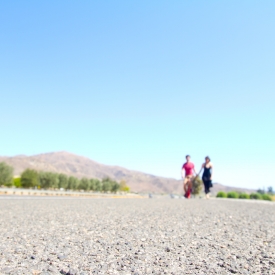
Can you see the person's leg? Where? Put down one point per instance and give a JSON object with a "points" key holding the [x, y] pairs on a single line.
{"points": [[190, 186], [207, 186], [185, 185]]}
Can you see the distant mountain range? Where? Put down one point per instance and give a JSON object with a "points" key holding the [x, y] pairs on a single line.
{"points": [[78, 166]]}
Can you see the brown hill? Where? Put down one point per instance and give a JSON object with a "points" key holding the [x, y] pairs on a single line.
{"points": [[78, 166], [70, 164]]}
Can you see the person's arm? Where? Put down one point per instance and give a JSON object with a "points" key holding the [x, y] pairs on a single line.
{"points": [[211, 172], [194, 170], [182, 172], [201, 169]]}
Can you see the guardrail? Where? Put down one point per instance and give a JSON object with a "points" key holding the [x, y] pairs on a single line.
{"points": [[40, 192]]}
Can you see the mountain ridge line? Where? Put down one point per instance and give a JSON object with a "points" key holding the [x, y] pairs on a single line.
{"points": [[81, 166]]}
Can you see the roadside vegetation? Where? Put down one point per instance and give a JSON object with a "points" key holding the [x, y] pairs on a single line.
{"points": [[268, 196], [197, 186], [6, 174], [31, 178]]}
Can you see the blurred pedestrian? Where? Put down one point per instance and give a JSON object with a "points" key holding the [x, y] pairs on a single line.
{"points": [[188, 168], [207, 174]]}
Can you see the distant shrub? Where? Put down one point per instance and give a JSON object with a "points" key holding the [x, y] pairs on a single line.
{"points": [[124, 187], [221, 194], [196, 186], [232, 195], [266, 197], [127, 189], [17, 182], [255, 196], [243, 196]]}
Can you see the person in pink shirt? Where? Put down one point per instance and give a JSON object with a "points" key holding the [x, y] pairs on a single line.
{"points": [[187, 171]]}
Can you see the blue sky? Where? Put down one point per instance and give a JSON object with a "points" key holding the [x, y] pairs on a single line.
{"points": [[141, 84]]}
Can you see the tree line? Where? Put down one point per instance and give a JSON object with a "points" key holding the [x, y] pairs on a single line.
{"points": [[31, 178]]}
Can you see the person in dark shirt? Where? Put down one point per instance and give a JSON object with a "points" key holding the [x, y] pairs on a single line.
{"points": [[207, 175]]}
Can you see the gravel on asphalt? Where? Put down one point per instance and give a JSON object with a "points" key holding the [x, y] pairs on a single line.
{"points": [[136, 236]]}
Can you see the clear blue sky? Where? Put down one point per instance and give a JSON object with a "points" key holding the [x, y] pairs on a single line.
{"points": [[141, 84]]}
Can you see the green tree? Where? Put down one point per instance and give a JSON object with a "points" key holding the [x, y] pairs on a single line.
{"points": [[114, 187], [29, 178], [84, 184], [106, 185], [93, 183], [73, 183], [6, 174], [63, 181], [98, 186], [48, 180]]}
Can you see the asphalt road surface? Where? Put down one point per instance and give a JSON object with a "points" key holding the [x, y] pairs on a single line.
{"points": [[136, 236]]}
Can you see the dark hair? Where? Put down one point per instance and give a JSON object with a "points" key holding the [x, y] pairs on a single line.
{"points": [[208, 158], [187, 156]]}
